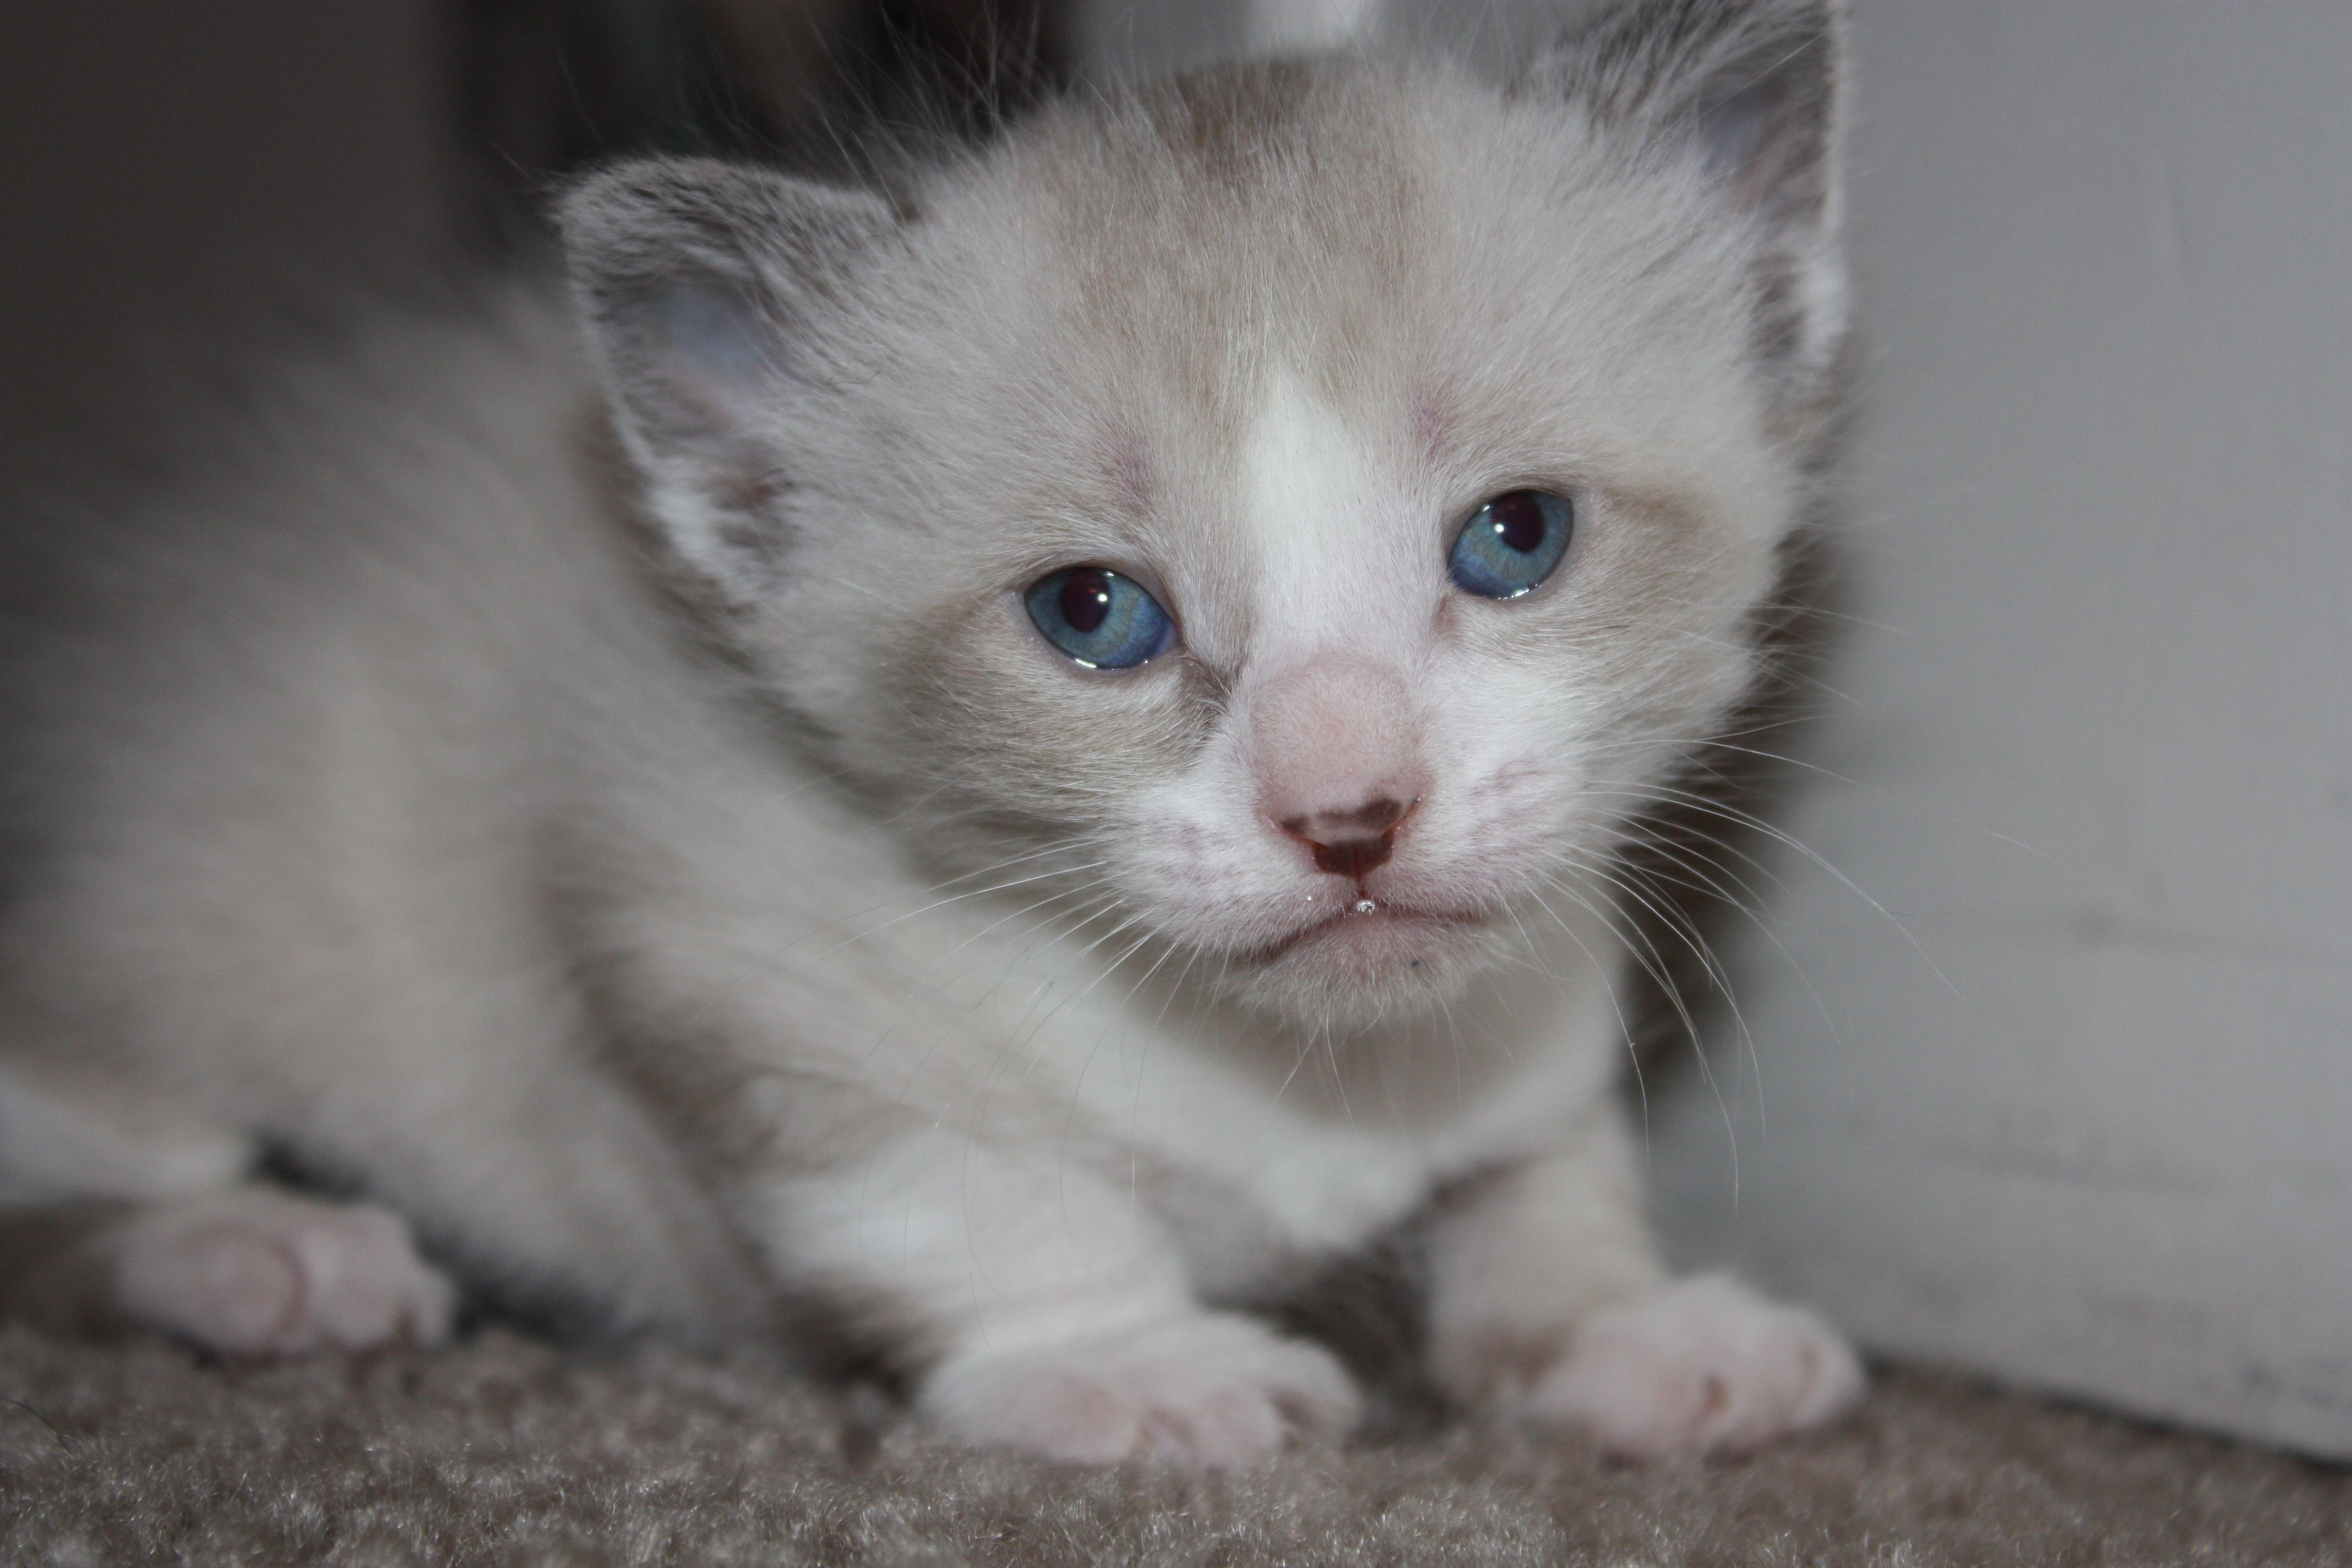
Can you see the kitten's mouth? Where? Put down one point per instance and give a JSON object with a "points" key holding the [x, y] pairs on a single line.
{"points": [[1374, 933]]}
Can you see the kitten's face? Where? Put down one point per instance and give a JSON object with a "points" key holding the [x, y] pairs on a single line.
{"points": [[1253, 355]]}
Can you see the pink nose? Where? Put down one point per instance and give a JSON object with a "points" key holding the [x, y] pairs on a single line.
{"points": [[1350, 843], [1338, 757]]}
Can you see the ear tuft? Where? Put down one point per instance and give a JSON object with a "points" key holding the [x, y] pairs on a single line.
{"points": [[1754, 90], [699, 282]]}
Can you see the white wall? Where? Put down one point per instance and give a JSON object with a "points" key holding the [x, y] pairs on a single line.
{"points": [[2091, 750]]}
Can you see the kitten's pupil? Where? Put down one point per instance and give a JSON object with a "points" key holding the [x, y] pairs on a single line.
{"points": [[1100, 619], [1085, 599], [1511, 543], [1518, 521]]}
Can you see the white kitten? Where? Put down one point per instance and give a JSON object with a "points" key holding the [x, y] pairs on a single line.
{"points": [[1095, 785]]}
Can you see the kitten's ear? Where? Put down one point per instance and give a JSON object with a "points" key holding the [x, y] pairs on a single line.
{"points": [[697, 281], [1754, 90]]}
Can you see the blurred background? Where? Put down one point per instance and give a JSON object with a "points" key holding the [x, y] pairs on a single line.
{"points": [[2040, 1063]]}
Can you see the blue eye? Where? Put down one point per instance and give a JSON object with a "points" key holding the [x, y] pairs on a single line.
{"points": [[1512, 543], [1099, 618]]}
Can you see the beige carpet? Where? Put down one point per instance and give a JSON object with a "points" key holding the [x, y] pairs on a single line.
{"points": [[508, 1450]]}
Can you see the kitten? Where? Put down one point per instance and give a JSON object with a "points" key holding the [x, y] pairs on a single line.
{"points": [[1076, 771]]}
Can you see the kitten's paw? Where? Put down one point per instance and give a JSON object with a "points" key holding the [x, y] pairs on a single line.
{"points": [[1704, 1366], [254, 1272], [1212, 1391]]}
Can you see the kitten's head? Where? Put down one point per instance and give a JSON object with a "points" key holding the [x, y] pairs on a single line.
{"points": [[1290, 514]]}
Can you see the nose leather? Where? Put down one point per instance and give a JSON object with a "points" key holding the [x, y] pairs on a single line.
{"points": [[1350, 843], [1338, 756]]}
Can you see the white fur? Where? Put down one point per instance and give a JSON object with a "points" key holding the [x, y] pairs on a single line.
{"points": [[120, 1148]]}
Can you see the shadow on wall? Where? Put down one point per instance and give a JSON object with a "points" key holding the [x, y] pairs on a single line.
{"points": [[171, 168]]}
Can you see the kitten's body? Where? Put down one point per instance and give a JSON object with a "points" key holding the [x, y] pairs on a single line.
{"points": [[805, 926]]}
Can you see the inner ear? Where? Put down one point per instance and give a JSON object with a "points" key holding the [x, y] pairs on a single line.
{"points": [[703, 354], [703, 287], [1752, 88], [1750, 85], [1763, 122]]}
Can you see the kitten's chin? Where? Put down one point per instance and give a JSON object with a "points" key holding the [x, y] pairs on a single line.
{"points": [[1356, 970]]}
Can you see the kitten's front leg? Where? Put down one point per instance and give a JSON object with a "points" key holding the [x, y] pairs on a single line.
{"points": [[1045, 1309], [1548, 1302]]}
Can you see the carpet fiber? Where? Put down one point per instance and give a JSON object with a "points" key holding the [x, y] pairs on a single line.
{"points": [[508, 1450]]}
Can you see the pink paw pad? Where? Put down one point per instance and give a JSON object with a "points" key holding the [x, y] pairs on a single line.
{"points": [[254, 1272], [1211, 1391], [1704, 1366]]}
